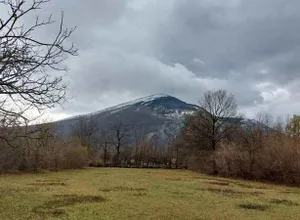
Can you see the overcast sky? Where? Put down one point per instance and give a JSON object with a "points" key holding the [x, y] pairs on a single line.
{"points": [[134, 48]]}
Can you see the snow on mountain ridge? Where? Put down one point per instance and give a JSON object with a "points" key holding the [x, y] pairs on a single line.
{"points": [[130, 103], [125, 105]]}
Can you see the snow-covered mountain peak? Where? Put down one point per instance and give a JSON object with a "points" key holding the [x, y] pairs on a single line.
{"points": [[139, 101], [158, 103]]}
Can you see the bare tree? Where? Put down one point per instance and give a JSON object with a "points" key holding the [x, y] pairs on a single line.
{"points": [[138, 133], [105, 142], [213, 122], [179, 152], [120, 138], [38, 145], [26, 61], [85, 129], [252, 138]]}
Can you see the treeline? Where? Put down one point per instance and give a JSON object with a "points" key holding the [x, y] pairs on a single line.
{"points": [[216, 140], [37, 149], [124, 145], [220, 142]]}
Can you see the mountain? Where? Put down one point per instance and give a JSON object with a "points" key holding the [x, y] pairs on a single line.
{"points": [[159, 115]]}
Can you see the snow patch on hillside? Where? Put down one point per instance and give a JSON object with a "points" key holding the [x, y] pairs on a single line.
{"points": [[142, 101]]}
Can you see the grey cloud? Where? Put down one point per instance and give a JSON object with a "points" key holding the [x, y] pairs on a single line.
{"points": [[236, 37], [140, 47]]}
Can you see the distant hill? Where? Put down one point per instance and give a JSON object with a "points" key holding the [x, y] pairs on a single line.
{"points": [[162, 116]]}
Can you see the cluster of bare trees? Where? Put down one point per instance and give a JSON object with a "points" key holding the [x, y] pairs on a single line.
{"points": [[121, 144], [220, 141], [42, 150]]}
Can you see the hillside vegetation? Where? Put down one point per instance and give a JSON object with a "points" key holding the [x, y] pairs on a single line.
{"points": [[113, 194]]}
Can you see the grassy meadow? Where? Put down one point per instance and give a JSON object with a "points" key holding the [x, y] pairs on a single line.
{"points": [[123, 194]]}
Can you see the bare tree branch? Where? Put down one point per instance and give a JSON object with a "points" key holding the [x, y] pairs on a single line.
{"points": [[26, 61]]}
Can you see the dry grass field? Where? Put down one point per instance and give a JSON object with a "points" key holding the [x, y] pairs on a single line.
{"points": [[129, 194]]}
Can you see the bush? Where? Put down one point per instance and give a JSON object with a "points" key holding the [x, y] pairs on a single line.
{"points": [[74, 157], [277, 159], [35, 156]]}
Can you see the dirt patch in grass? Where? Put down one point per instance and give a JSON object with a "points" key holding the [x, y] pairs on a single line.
{"points": [[211, 178], [218, 183], [254, 206], [54, 207], [284, 202], [247, 186], [121, 189], [58, 182], [13, 191], [104, 174], [181, 193], [9, 191], [290, 192], [48, 184], [233, 182], [173, 179], [226, 192], [30, 189], [231, 192], [138, 194]]}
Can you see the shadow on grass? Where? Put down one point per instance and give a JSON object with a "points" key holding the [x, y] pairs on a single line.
{"points": [[284, 202], [6, 191], [58, 182], [173, 179], [121, 189], [182, 194], [54, 207], [231, 192], [247, 186], [290, 192], [139, 194], [47, 184], [254, 206], [231, 182], [218, 183]]}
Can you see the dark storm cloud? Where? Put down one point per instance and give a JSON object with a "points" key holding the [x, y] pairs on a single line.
{"points": [[134, 48], [256, 33]]}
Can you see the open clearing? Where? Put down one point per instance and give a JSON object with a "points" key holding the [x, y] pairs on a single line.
{"points": [[107, 193]]}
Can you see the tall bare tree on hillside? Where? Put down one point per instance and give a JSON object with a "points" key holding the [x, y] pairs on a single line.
{"points": [[27, 60]]}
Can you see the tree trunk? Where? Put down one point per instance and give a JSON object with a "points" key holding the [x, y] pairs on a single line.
{"points": [[177, 156], [118, 156], [215, 168], [105, 153]]}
